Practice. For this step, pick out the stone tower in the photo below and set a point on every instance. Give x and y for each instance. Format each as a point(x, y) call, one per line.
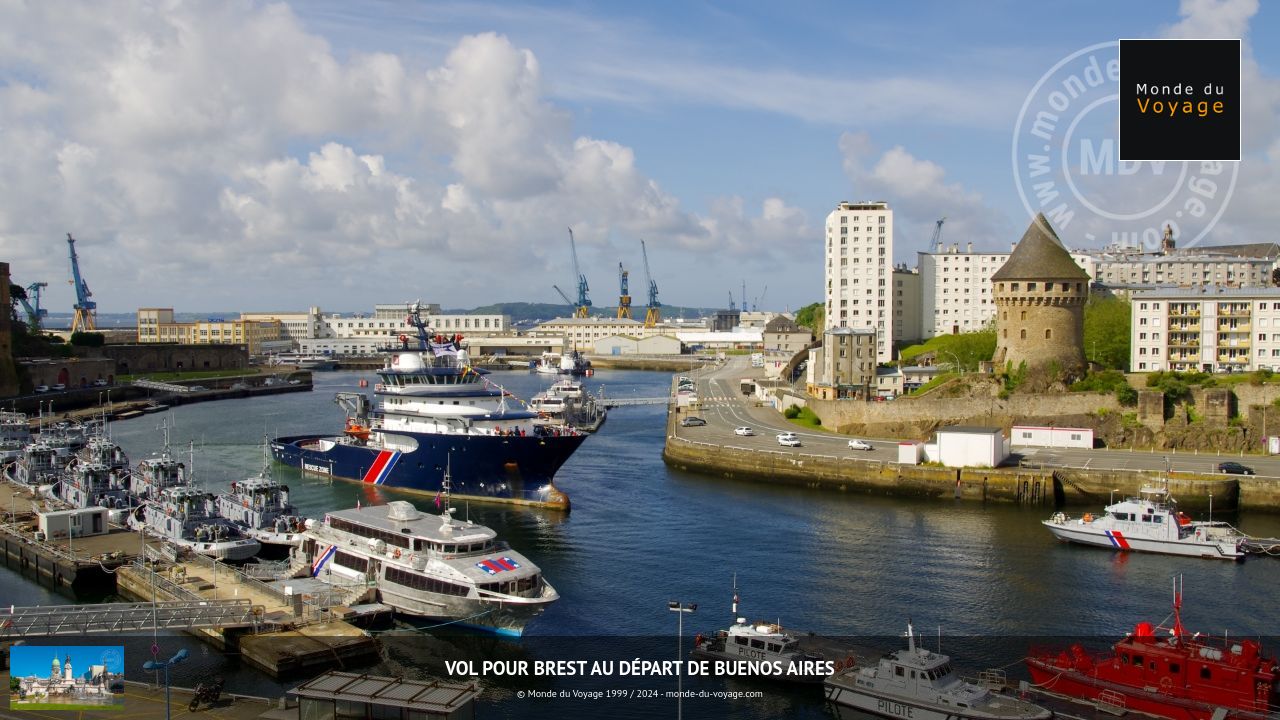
point(1039, 295)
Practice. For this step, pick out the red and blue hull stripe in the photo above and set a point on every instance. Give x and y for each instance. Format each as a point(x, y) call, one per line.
point(1117, 540)
point(381, 468)
point(321, 559)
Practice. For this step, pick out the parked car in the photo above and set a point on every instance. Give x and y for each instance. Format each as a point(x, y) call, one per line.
point(99, 383)
point(693, 422)
point(42, 388)
point(744, 431)
point(59, 387)
point(789, 441)
point(1235, 468)
point(856, 444)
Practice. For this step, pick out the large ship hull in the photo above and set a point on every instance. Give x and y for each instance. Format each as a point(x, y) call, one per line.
point(1116, 540)
point(483, 467)
point(1161, 702)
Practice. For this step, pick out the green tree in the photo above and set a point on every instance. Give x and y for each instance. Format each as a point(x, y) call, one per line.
point(812, 316)
point(966, 349)
point(1106, 331)
point(88, 339)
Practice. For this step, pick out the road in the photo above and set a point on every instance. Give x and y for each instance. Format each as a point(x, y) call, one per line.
point(724, 407)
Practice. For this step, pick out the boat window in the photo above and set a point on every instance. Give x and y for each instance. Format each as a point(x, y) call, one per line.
point(422, 582)
point(1152, 665)
point(1158, 519)
point(1120, 515)
point(913, 674)
point(758, 644)
point(1205, 672)
point(961, 704)
point(358, 564)
point(1175, 667)
point(897, 670)
point(740, 640)
point(1137, 660)
point(774, 648)
point(1146, 518)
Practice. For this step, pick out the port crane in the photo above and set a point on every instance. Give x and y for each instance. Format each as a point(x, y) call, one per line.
point(31, 304)
point(624, 295)
point(755, 304)
point(652, 313)
point(584, 300)
point(567, 301)
point(937, 234)
point(86, 317)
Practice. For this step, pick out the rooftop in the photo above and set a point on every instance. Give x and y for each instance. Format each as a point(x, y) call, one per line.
point(425, 696)
point(970, 430)
point(1209, 291)
point(1040, 254)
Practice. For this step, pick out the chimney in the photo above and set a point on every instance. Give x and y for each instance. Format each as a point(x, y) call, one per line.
point(969, 248)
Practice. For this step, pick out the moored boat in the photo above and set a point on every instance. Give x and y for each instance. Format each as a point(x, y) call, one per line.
point(180, 515)
point(1150, 522)
point(922, 685)
point(429, 566)
point(1166, 672)
point(767, 648)
point(260, 508)
point(430, 404)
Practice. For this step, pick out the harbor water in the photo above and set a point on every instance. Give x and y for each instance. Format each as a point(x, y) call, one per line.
point(640, 535)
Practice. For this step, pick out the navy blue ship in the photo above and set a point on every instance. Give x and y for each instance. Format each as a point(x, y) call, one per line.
point(430, 407)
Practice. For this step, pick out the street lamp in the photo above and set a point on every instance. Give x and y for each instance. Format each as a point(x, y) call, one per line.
point(955, 357)
point(680, 609)
point(165, 665)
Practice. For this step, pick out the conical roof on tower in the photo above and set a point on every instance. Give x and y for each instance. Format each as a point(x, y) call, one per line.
point(1040, 255)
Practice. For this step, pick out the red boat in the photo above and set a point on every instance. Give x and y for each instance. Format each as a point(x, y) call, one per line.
point(1169, 674)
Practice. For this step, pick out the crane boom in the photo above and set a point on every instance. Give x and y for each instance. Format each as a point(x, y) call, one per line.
point(86, 310)
point(937, 234)
point(35, 313)
point(653, 313)
point(584, 299)
point(567, 301)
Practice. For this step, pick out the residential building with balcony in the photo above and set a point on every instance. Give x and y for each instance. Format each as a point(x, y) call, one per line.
point(1209, 329)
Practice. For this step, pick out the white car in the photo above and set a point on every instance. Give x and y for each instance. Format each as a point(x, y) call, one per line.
point(744, 431)
point(789, 441)
point(860, 445)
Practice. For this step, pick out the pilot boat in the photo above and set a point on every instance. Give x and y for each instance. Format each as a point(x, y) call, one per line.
point(922, 685)
point(1150, 522)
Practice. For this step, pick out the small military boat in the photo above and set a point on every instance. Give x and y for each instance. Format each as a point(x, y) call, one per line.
point(180, 515)
point(764, 642)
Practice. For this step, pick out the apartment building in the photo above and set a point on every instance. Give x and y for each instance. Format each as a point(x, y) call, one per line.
point(1210, 329)
point(858, 272)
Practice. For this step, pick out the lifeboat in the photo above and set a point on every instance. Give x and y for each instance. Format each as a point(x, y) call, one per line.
point(356, 430)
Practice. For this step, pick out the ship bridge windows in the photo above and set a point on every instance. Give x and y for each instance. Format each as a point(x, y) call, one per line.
point(1137, 661)
point(775, 648)
point(389, 538)
point(417, 581)
point(740, 640)
point(899, 671)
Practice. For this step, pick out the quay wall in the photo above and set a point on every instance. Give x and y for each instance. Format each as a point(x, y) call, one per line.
point(918, 417)
point(1033, 486)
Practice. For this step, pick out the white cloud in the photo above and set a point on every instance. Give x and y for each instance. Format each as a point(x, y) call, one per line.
point(221, 156)
point(919, 194)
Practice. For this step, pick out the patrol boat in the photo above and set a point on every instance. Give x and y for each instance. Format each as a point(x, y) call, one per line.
point(764, 642)
point(430, 566)
point(429, 406)
point(158, 472)
point(180, 515)
point(259, 507)
point(90, 483)
point(1150, 522)
point(922, 685)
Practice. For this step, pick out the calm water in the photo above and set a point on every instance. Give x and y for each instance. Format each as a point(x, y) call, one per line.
point(640, 535)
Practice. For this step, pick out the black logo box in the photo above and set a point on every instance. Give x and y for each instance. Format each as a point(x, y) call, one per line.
point(1160, 77)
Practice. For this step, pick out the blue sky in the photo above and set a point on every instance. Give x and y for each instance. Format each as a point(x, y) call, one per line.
point(251, 156)
point(37, 659)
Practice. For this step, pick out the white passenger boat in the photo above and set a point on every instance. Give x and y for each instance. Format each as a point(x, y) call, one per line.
point(430, 566)
point(1150, 522)
point(921, 685)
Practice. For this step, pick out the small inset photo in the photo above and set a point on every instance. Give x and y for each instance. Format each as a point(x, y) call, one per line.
point(66, 677)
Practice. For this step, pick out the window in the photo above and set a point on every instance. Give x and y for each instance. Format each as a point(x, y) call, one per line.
point(1048, 334)
point(1024, 334)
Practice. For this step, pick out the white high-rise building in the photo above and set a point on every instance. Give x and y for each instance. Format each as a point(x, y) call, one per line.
point(859, 271)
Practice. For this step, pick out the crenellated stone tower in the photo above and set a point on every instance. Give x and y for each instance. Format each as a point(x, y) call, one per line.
point(1039, 295)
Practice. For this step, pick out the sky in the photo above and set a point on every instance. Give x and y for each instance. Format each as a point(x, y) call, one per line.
point(242, 155)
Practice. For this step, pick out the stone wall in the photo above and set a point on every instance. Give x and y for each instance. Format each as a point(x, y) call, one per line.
point(918, 417)
point(138, 359)
point(72, 372)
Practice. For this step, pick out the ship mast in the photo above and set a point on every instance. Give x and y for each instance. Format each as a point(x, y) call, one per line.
point(1178, 630)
